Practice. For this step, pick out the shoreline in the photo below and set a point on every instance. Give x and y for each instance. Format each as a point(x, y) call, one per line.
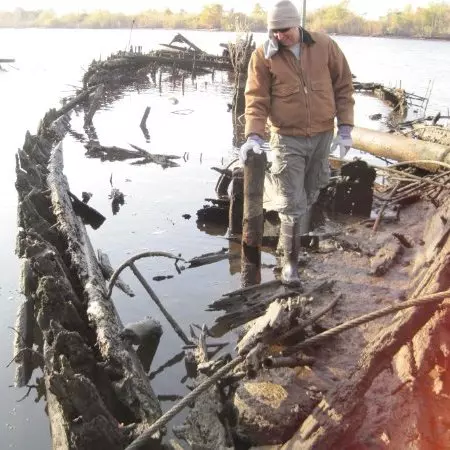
point(418, 38)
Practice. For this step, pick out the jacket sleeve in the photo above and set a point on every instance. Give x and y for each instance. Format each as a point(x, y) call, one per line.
point(257, 94)
point(341, 78)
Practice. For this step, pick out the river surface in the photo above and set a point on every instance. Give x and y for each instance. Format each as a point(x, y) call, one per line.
point(49, 65)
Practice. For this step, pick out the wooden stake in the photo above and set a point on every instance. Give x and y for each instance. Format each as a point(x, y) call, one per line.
point(144, 118)
point(253, 222)
point(94, 105)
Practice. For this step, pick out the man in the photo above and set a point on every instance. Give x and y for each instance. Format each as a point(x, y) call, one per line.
point(301, 82)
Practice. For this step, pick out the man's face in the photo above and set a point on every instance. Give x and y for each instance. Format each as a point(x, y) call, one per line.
point(287, 36)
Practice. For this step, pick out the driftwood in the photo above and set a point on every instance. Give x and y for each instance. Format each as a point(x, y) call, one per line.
point(208, 258)
point(385, 258)
point(95, 150)
point(399, 148)
point(247, 304)
point(279, 317)
point(97, 392)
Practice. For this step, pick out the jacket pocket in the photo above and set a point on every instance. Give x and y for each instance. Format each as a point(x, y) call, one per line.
point(286, 106)
point(284, 91)
point(323, 99)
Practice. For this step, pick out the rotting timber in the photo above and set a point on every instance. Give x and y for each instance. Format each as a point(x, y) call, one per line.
point(97, 393)
point(296, 381)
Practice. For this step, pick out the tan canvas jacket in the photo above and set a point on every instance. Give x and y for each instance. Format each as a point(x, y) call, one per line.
point(300, 97)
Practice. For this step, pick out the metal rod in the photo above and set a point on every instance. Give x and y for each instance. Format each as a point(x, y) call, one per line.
point(124, 265)
point(304, 14)
point(155, 298)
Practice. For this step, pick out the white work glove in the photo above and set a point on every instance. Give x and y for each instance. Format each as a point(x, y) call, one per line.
point(343, 140)
point(254, 142)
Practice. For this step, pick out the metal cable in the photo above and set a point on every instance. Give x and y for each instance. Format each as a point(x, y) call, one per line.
point(439, 296)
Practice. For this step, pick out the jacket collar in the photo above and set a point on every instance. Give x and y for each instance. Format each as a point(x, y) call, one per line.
point(271, 46)
point(306, 37)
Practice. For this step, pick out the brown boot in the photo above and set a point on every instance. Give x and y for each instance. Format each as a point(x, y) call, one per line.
point(290, 243)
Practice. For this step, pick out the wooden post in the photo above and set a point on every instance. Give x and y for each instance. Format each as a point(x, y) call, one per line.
point(94, 105)
point(235, 217)
point(144, 117)
point(182, 84)
point(253, 223)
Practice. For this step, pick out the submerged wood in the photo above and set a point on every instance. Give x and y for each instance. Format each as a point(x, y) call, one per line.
point(96, 389)
point(95, 150)
point(208, 258)
point(95, 103)
point(204, 427)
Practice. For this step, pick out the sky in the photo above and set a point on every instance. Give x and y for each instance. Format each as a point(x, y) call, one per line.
point(368, 8)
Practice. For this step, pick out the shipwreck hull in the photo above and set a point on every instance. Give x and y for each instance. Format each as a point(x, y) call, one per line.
point(98, 395)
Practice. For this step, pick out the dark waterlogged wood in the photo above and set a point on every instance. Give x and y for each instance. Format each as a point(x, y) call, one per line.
point(97, 392)
point(235, 221)
point(203, 427)
point(95, 103)
point(253, 219)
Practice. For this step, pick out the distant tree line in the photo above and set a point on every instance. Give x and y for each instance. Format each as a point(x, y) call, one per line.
point(432, 21)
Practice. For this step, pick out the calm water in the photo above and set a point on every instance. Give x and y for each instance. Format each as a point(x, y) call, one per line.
point(49, 65)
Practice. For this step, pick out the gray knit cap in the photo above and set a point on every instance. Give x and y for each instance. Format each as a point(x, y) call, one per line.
point(283, 14)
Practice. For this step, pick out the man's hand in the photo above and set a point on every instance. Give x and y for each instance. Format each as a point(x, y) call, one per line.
point(254, 142)
point(343, 140)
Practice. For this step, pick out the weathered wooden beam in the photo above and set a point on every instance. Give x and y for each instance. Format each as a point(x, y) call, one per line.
point(399, 148)
point(95, 103)
point(235, 212)
point(73, 312)
point(253, 219)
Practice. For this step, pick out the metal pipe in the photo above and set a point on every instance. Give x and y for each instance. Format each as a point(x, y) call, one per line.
point(304, 14)
point(155, 298)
